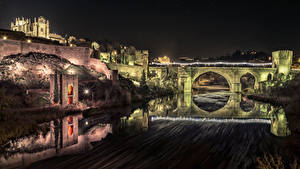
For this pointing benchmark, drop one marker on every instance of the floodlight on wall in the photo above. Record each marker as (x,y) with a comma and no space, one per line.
(71,71)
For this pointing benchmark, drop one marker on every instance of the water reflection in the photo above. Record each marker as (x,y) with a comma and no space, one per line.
(62,139)
(211,102)
(176,120)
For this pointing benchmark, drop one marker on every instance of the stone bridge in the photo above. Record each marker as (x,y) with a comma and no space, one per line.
(281,64)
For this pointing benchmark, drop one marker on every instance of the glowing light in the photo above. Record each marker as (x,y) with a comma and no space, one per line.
(71,71)
(70,130)
(213,64)
(86,123)
(28,40)
(164,59)
(267,121)
(4,37)
(18,68)
(86,91)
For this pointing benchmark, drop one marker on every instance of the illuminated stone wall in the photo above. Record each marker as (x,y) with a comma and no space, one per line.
(127,71)
(76,55)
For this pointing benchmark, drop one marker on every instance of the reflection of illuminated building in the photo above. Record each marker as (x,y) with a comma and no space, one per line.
(279,125)
(63,138)
(69,131)
(137,120)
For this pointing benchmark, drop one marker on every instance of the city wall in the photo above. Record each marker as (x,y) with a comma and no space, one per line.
(76,55)
(128,71)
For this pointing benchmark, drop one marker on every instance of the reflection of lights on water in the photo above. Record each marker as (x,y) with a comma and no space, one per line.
(267,121)
(214,64)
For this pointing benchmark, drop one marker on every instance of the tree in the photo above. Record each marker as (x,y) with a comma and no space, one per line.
(143,83)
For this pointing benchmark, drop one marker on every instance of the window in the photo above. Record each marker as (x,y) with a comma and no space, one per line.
(70,94)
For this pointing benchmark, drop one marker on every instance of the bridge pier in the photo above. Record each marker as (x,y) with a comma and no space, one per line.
(184,80)
(236,88)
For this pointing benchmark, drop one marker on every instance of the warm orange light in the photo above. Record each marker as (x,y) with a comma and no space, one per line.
(70,90)
(70,100)
(70,120)
(70,130)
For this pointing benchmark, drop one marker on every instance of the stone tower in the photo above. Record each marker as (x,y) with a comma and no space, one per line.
(282,60)
(38,28)
(63,89)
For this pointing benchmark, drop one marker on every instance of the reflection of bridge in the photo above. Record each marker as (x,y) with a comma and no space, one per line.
(183,106)
(232,109)
(281,64)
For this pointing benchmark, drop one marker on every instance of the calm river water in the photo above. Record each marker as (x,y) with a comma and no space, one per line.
(215,130)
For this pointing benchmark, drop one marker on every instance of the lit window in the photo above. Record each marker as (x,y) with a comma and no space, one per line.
(70,120)
(70,90)
(70,130)
(70,94)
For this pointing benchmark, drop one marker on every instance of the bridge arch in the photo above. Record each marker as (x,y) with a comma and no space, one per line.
(248,80)
(200,72)
(252,73)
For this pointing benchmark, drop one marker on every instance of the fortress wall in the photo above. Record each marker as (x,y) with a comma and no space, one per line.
(76,55)
(128,71)
(100,67)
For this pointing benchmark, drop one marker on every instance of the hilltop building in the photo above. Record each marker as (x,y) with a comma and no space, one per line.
(38,28)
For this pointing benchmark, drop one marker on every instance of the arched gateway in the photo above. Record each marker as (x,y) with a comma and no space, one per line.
(281,64)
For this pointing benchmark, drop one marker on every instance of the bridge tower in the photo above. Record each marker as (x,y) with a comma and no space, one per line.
(282,60)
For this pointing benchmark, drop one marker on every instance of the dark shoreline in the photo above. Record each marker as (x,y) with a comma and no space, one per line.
(276,101)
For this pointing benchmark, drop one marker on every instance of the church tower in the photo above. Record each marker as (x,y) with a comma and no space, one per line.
(38,28)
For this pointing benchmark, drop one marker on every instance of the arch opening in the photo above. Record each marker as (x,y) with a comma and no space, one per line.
(210,91)
(247,82)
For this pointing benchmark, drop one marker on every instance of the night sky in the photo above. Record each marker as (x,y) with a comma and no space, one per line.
(174,28)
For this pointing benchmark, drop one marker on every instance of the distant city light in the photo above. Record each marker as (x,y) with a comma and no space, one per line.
(267,121)
(213,64)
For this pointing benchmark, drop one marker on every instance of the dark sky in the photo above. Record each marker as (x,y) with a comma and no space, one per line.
(174,28)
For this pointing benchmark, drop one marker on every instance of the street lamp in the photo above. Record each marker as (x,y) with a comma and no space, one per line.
(87,91)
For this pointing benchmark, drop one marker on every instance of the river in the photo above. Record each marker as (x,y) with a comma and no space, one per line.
(215,130)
